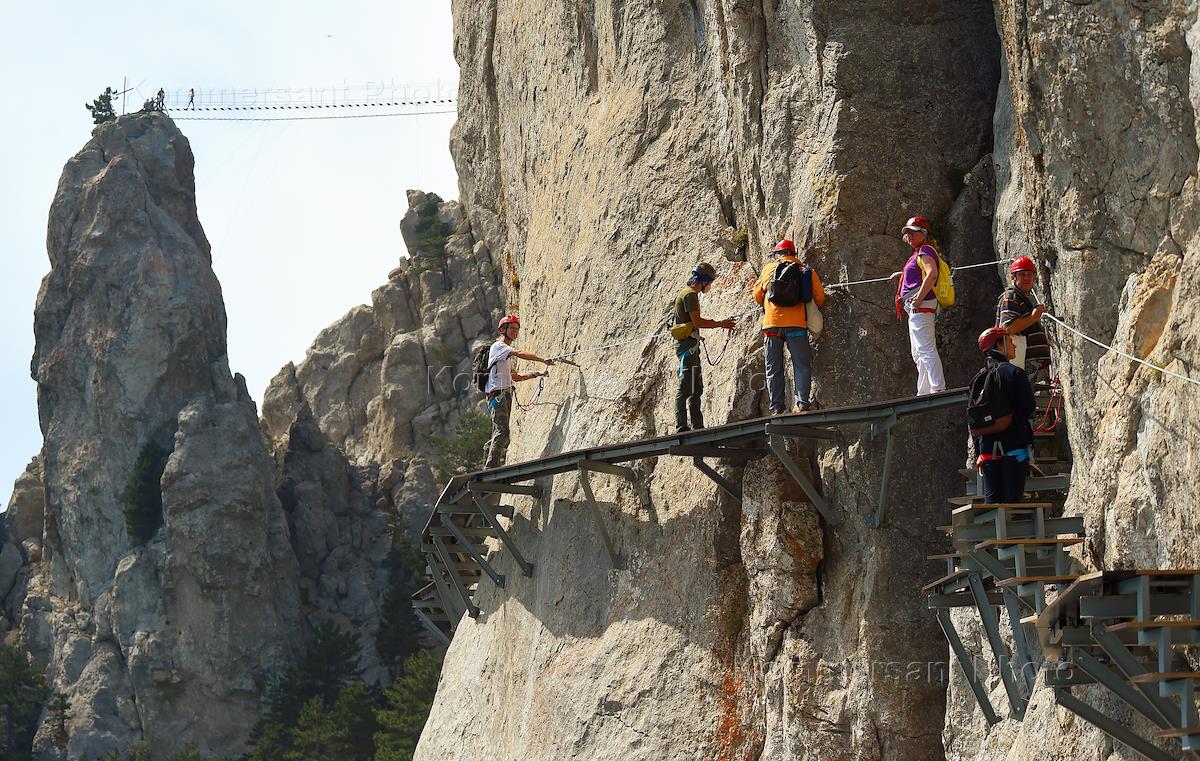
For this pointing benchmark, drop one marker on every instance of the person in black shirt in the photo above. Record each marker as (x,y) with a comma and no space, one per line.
(1004,447)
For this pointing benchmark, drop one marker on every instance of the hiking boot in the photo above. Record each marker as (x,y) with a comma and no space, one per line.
(774,411)
(682,429)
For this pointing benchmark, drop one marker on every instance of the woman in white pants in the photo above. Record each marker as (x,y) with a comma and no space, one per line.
(914,297)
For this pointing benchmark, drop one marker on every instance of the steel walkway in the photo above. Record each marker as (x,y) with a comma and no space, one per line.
(467,513)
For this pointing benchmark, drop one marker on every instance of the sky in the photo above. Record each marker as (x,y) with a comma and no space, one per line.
(302,215)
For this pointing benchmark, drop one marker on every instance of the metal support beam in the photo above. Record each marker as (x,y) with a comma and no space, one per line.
(494,488)
(964,662)
(474,553)
(433,628)
(486,511)
(875,519)
(453,611)
(1026,668)
(990,564)
(726,485)
(991,627)
(727,453)
(607,467)
(595,508)
(463,594)
(800,432)
(1116,684)
(1113,728)
(779,447)
(1132,666)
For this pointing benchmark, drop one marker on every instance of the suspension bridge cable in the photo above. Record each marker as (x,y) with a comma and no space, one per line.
(1118,352)
(304,118)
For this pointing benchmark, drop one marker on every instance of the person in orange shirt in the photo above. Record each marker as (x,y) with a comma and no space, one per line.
(783,290)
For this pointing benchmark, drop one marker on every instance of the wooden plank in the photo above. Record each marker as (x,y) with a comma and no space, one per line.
(944,580)
(1143,625)
(1015,580)
(1177,732)
(1164,676)
(1028,542)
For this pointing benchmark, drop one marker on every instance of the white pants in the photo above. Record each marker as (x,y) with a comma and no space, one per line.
(930,379)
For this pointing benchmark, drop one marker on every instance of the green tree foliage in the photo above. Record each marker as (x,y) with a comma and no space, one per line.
(463,450)
(143,494)
(23,693)
(344,731)
(406,708)
(102,107)
(430,250)
(399,631)
(330,662)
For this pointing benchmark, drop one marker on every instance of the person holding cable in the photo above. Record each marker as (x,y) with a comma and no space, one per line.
(915,297)
(687,346)
(1019,313)
(500,386)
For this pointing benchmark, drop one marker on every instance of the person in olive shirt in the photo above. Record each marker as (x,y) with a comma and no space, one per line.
(687,311)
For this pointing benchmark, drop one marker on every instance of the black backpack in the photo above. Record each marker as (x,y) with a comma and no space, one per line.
(987,407)
(791,284)
(481,368)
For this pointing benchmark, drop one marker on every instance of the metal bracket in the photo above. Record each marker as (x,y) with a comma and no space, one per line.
(453,611)
(1026,668)
(964,661)
(474,553)
(590,497)
(800,432)
(433,628)
(726,485)
(728,453)
(1064,698)
(779,447)
(991,628)
(493,488)
(608,467)
(1131,666)
(486,511)
(463,594)
(885,426)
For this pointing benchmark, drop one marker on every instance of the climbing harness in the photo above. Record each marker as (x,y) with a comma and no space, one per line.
(1053,414)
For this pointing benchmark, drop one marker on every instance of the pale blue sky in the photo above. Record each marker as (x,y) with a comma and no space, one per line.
(303,216)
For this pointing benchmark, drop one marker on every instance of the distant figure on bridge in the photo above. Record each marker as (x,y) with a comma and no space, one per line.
(160,100)
(1019,313)
(191,99)
(998,412)
(499,388)
(915,297)
(687,346)
(784,290)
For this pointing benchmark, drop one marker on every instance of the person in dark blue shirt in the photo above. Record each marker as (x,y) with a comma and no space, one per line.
(1004,447)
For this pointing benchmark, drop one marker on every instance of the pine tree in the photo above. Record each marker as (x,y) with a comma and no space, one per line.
(22,694)
(406,707)
(399,631)
(143,506)
(101,107)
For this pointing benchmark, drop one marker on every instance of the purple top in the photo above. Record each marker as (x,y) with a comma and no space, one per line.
(911,281)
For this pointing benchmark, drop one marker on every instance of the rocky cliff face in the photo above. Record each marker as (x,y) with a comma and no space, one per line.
(1097,163)
(611,146)
(144,639)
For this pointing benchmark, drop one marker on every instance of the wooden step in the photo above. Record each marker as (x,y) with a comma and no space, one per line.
(1164,676)
(1146,625)
(1015,580)
(966,499)
(1030,619)
(944,580)
(1063,541)
(1177,732)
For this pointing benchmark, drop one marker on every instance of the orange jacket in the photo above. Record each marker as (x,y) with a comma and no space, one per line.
(784,317)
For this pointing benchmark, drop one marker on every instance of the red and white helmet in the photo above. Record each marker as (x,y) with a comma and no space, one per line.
(1022,264)
(509,320)
(918,223)
(989,337)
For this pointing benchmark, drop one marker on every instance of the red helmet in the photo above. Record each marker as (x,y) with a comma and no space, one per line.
(1022,264)
(784,246)
(989,337)
(918,223)
(509,320)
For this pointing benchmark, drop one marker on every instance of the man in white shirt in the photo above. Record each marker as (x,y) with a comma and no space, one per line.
(499,388)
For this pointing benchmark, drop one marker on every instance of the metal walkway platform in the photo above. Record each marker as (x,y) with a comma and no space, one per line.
(467,513)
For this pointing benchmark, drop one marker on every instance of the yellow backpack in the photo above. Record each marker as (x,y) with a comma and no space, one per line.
(943,287)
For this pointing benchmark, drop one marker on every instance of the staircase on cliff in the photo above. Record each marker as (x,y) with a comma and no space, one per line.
(1108,628)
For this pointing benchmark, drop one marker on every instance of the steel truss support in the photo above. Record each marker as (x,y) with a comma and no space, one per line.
(433,628)
(453,611)
(486,511)
(1064,698)
(493,488)
(964,661)
(1026,668)
(875,519)
(590,497)
(991,627)
(727,486)
(779,447)
(463,594)
(1131,666)
(1117,684)
(475,554)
